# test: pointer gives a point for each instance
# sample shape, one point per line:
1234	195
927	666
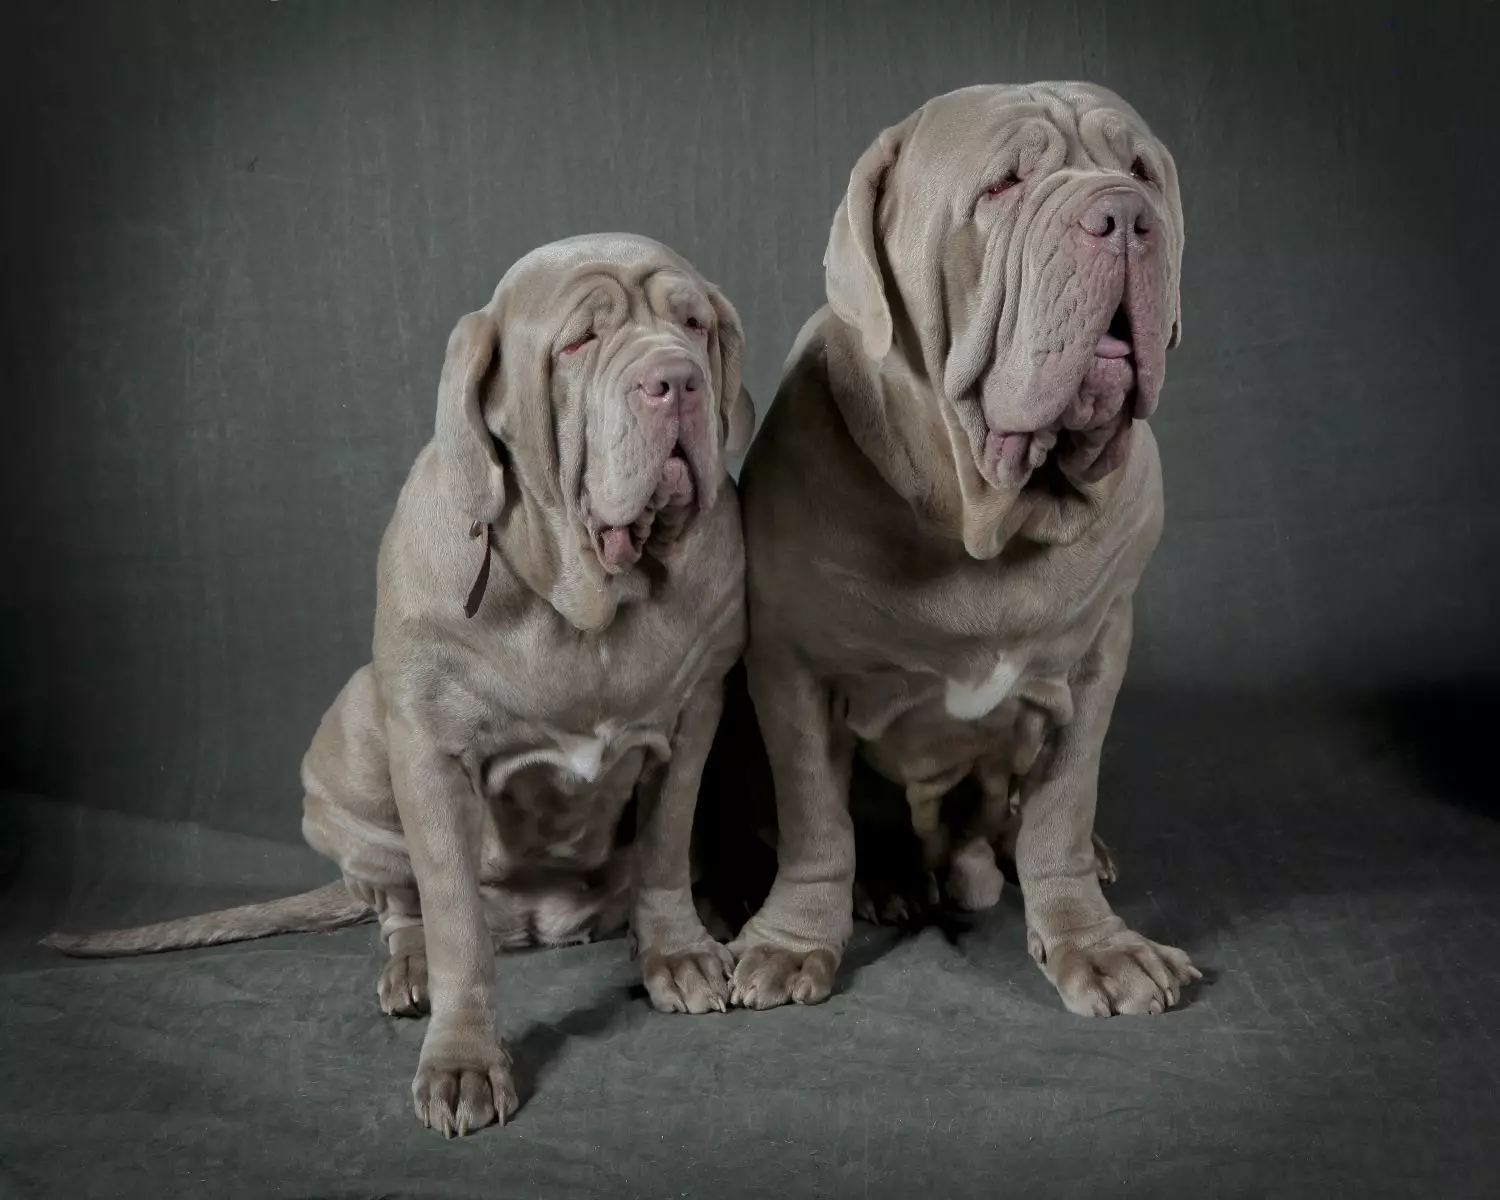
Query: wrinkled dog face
1033	238
600	390
634	374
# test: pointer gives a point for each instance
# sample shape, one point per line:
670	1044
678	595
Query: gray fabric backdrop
236	236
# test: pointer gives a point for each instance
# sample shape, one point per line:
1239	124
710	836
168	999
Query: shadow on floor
1220	809
1446	735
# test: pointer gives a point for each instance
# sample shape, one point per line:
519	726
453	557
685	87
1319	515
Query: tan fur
947	514
325	908
469	781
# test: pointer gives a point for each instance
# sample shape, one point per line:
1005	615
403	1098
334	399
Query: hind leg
1104	862
894	882
349	814
974	880
403	983
1105	866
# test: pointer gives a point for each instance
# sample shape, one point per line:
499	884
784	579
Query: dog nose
1117	219
669	383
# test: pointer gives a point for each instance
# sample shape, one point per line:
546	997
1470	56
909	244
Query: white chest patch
584	756
970	701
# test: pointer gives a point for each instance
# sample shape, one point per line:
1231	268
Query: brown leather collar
479	529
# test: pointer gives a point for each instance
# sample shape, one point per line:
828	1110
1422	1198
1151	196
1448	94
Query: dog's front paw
688	981
403	985
1122	973
463	1083
767	976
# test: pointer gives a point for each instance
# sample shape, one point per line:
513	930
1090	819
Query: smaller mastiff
946	517
560	596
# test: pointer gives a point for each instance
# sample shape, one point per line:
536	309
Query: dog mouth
1096	416
672	501
1116	342
1108	385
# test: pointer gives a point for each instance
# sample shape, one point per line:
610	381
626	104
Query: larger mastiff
946	516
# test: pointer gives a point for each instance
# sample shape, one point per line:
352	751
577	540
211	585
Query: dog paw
974	881
1104	862
463	1083
403	986
689	981
767	976
883	901
878	906
1123	973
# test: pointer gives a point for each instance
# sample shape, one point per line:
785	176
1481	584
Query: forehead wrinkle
998	111
952	140
669	286
673	276
588	284
1083	97
575	290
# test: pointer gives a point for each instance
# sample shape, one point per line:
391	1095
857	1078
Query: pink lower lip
1112	347
618	549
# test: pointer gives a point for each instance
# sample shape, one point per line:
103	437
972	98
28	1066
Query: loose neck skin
429	561
548	551
911	433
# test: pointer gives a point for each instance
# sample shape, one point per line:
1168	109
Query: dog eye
1139	171
696	325
579	343
1011	180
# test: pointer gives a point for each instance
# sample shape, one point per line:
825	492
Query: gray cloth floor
1334	872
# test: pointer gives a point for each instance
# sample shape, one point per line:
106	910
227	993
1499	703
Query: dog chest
970	700
918	726
877	700
575	760
559	803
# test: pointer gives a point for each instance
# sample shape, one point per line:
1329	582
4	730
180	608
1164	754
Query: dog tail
323	909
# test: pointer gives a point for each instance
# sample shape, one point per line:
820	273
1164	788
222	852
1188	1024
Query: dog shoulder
803	432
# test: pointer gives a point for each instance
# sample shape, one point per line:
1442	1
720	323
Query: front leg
463	1080
1098	966
791	948
684	969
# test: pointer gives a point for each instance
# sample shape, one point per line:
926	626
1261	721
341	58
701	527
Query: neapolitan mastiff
946	516
560	594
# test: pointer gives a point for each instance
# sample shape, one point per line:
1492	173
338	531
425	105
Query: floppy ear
463	440
739	425
851	267
1174	199
737	414
1175	337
